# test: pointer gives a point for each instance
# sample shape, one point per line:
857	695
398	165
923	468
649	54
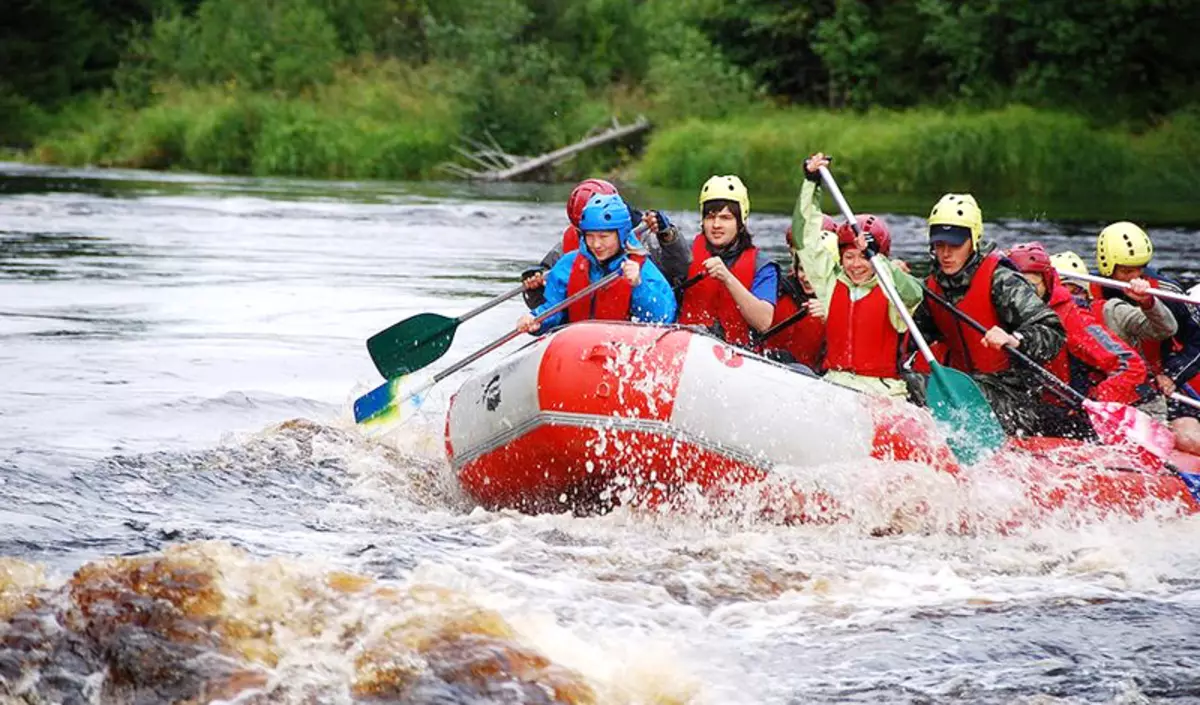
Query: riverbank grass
1017	151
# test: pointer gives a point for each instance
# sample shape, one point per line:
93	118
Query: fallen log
493	158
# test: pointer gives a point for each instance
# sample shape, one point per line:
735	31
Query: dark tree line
1113	60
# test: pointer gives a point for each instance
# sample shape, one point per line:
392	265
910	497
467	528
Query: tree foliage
523	65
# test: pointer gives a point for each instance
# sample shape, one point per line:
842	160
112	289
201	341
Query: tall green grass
1015	152
373	121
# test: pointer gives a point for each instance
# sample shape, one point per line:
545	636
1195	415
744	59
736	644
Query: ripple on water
153	557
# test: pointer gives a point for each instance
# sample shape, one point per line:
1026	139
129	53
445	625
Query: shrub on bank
374	120
1017	151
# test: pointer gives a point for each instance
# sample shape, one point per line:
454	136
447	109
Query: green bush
526	101
1015	152
284	45
221	136
373	120
21	120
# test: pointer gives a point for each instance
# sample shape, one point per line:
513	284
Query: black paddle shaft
690	282
784	324
1064	390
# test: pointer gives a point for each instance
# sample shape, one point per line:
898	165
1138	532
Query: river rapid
189	514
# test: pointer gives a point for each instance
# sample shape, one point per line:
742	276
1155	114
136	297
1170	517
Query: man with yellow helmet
736	287
971	274
1167	333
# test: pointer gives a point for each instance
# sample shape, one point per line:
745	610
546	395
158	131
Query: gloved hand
813	164
657	221
535	291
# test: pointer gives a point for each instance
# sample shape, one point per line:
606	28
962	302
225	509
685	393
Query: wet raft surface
188	515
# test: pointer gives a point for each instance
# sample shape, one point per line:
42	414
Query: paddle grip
1064	390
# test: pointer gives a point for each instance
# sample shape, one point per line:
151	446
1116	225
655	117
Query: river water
188	513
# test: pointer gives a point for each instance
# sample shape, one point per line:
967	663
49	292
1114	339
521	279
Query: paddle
1186	400
398	399
419	340
690	282
953	396
1113	422
785	323
1160	293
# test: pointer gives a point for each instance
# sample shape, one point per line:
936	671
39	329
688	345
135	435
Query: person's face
856	265
798	272
952	258
1126	273
720	227
1076	289
603	244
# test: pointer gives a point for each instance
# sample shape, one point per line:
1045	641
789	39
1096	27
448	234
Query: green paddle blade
411	344
957	401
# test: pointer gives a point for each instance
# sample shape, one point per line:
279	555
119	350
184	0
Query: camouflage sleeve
1021	310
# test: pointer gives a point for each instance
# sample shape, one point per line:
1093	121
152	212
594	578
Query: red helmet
1031	258
583	193
828	225
868	224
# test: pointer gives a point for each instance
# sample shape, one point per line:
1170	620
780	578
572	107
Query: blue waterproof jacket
653	300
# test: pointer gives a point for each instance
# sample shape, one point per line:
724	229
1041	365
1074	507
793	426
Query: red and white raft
600	412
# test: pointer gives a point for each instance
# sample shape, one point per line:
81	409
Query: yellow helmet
726	188
1068	262
958	210
1122	243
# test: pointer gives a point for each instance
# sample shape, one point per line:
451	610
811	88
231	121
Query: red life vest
708	301
965	350
802	339
1094	360
1061	302
570	240
612	303
860	337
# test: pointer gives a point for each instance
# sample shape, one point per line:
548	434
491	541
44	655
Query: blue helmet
607	212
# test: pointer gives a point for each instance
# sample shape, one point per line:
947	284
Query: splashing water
188	512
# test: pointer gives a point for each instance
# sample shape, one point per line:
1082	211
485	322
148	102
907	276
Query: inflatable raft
600	413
